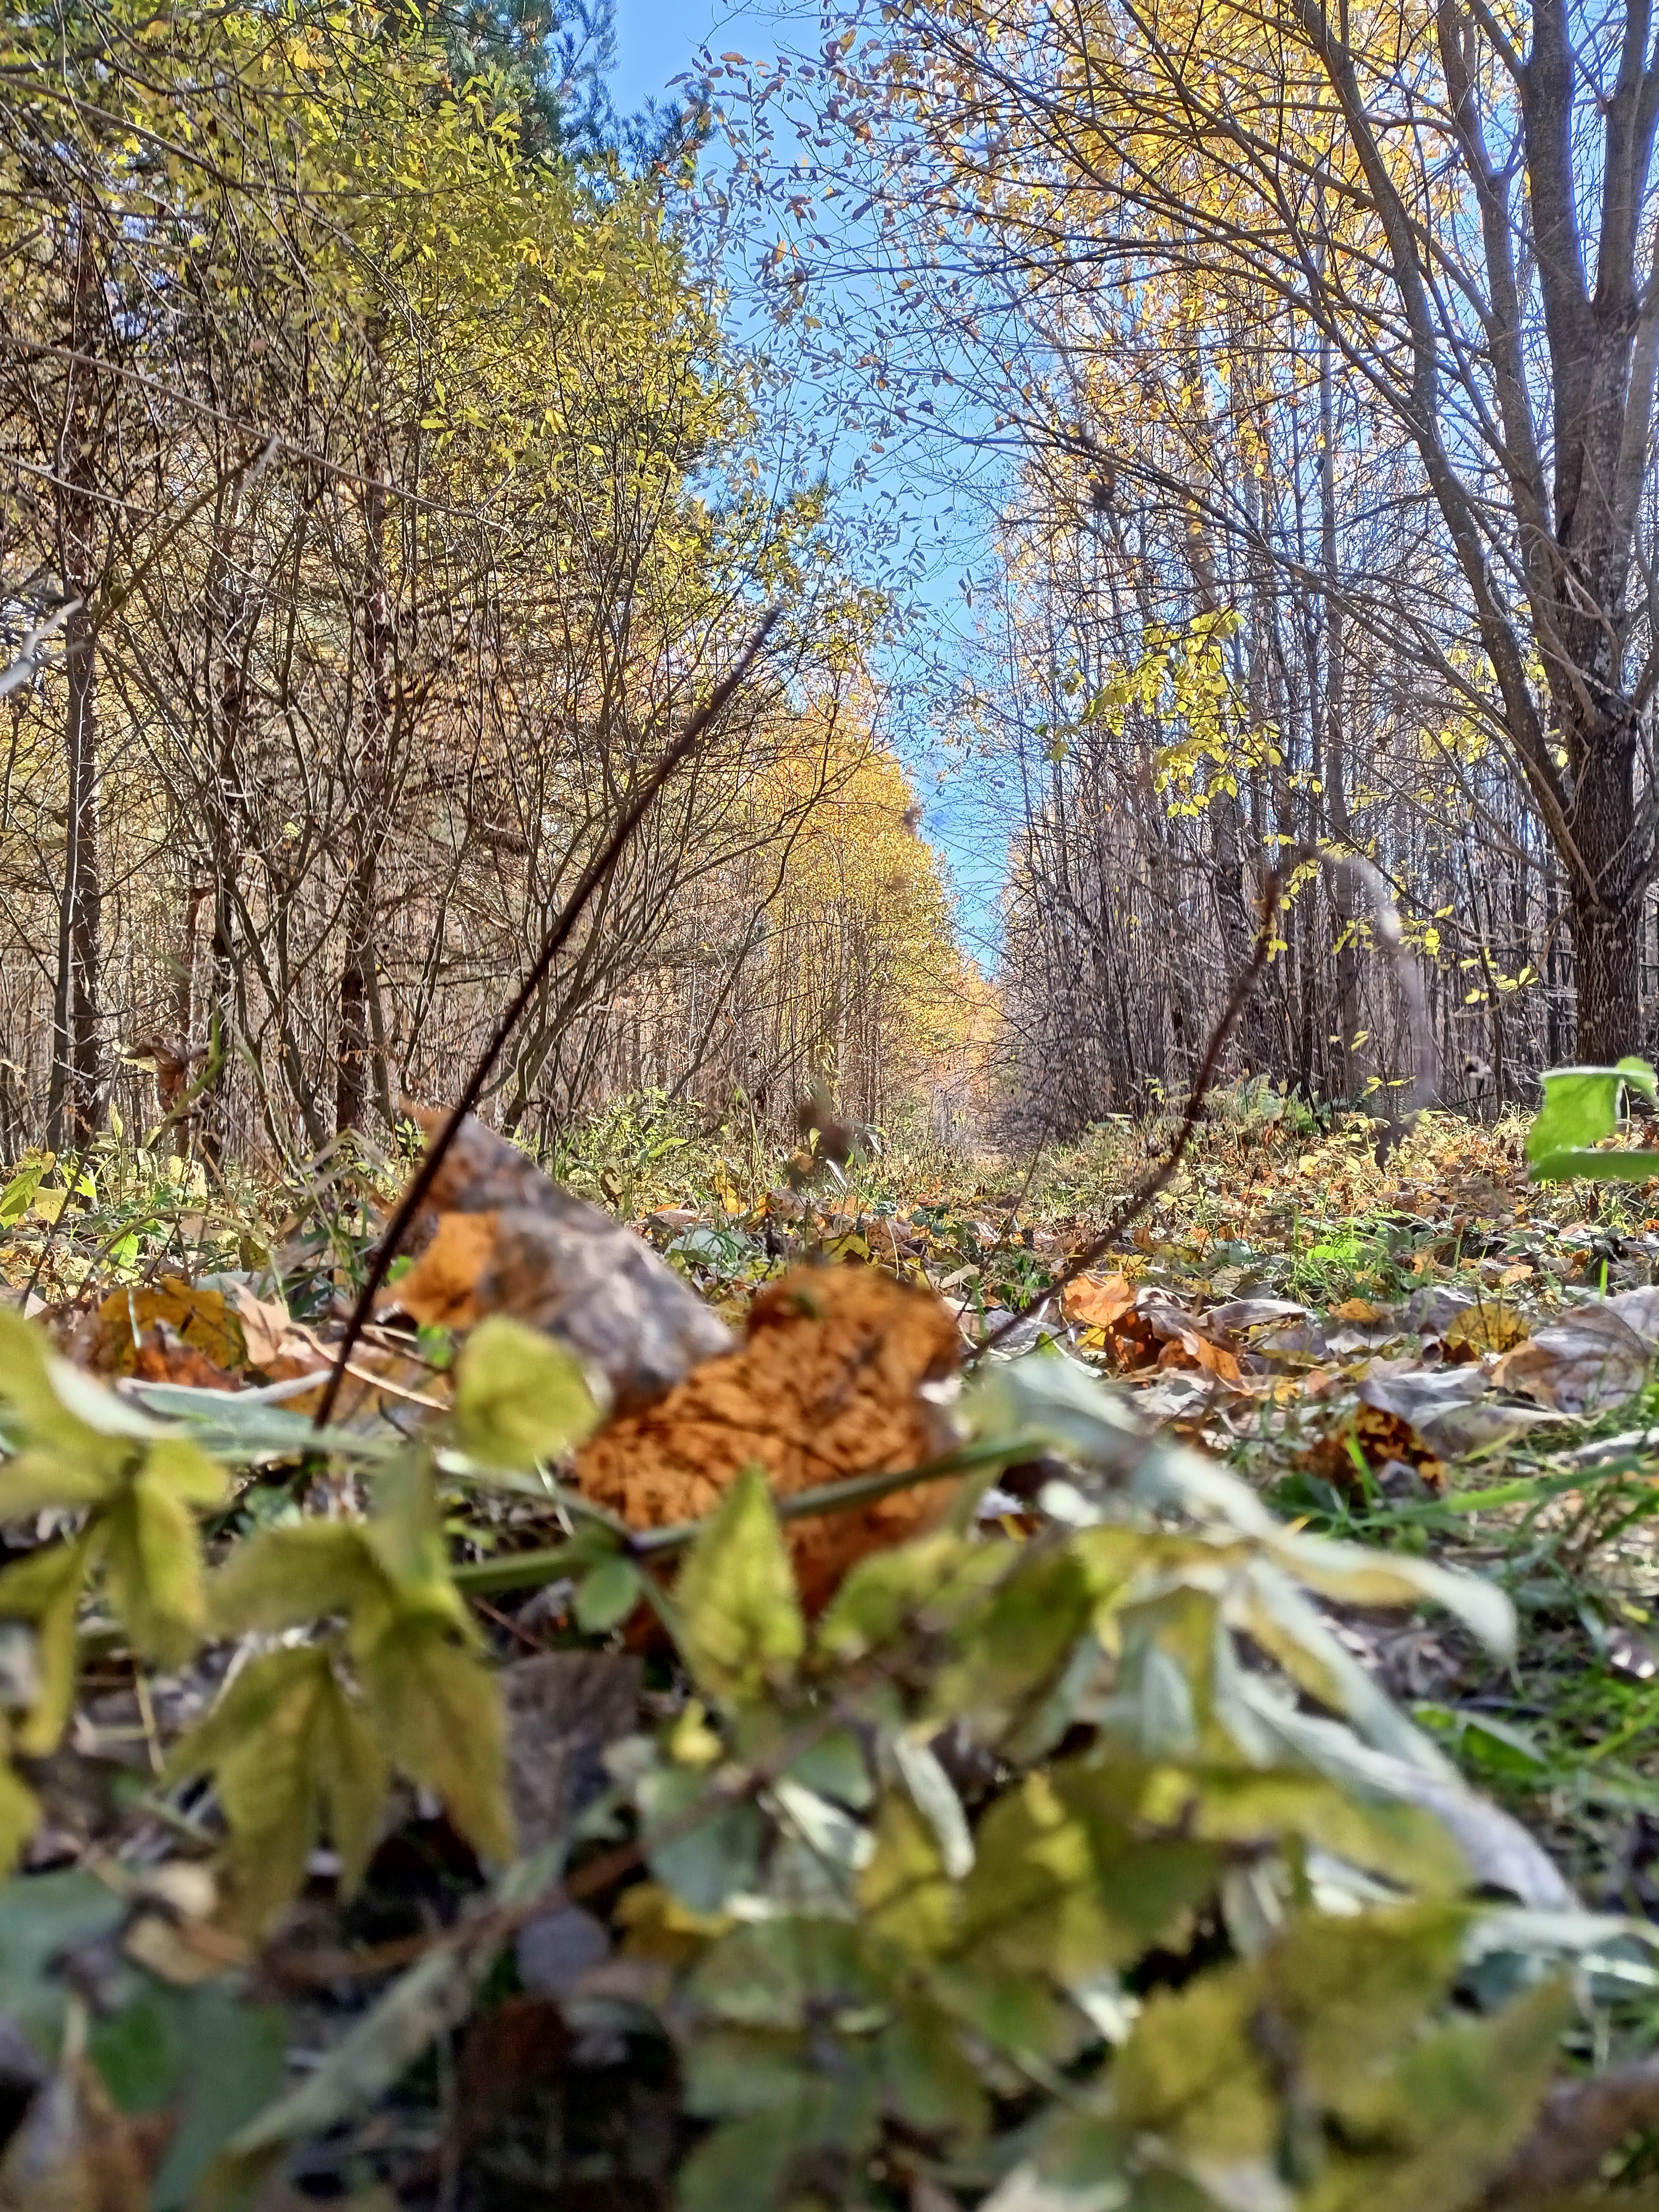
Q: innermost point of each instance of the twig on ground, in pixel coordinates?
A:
(597, 869)
(1142, 1196)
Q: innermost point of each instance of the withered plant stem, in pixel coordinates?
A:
(553, 944)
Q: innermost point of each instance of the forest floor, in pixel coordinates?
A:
(1397, 1353)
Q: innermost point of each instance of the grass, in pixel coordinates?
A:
(1271, 1199)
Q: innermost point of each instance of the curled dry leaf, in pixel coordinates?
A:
(510, 1240)
(1594, 1357)
(829, 1384)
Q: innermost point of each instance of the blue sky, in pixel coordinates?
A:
(656, 40)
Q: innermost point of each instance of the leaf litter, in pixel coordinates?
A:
(1428, 1360)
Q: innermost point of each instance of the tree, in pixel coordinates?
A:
(1460, 206)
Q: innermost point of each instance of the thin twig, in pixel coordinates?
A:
(1142, 1196)
(553, 944)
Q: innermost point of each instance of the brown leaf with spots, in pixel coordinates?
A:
(1380, 1436)
(828, 1385)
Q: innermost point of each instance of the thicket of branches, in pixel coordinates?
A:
(377, 493)
(1320, 353)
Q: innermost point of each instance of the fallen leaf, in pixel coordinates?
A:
(270, 1334)
(827, 1385)
(74, 2152)
(1360, 1309)
(199, 1318)
(1590, 1360)
(1379, 1437)
(1482, 1329)
(442, 1289)
(1097, 1301)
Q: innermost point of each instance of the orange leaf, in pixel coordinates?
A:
(1098, 1300)
(442, 1287)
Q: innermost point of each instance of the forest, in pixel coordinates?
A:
(829, 1001)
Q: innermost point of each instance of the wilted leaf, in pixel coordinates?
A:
(200, 1319)
(563, 1266)
(1589, 1361)
(740, 1622)
(520, 1397)
(74, 2152)
(442, 1289)
(1097, 1301)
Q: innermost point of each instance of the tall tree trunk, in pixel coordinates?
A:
(74, 1104)
(358, 1061)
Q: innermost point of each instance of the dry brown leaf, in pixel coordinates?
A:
(1361, 1310)
(828, 1385)
(269, 1331)
(1589, 1361)
(162, 1358)
(510, 1240)
(1380, 1437)
(74, 2152)
(1097, 1301)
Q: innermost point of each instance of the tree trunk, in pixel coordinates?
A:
(1606, 892)
(77, 1059)
(358, 1063)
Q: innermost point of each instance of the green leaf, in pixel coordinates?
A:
(885, 1589)
(1582, 1106)
(293, 1759)
(706, 1849)
(1430, 2135)
(212, 2057)
(44, 1586)
(1061, 1886)
(406, 1535)
(438, 1712)
(740, 1618)
(283, 1577)
(606, 1594)
(43, 1917)
(521, 1399)
(153, 1569)
(746, 2165)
